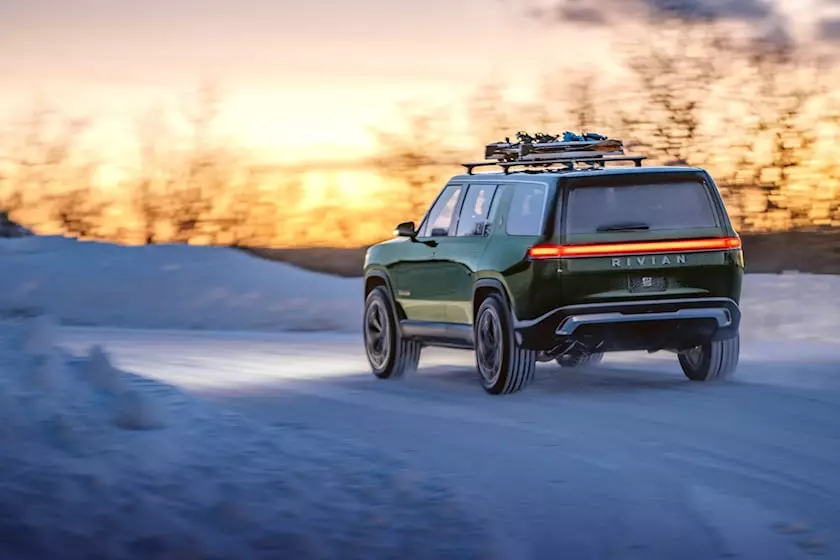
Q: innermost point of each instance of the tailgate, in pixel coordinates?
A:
(646, 236)
(651, 275)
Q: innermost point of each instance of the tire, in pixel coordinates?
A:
(712, 361)
(390, 355)
(503, 367)
(581, 360)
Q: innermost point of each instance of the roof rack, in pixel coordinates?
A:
(543, 150)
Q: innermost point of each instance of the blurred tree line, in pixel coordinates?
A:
(763, 116)
(192, 185)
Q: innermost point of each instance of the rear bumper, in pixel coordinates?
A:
(634, 325)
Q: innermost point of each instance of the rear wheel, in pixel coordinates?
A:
(503, 366)
(389, 354)
(711, 361)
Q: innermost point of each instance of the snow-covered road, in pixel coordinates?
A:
(627, 460)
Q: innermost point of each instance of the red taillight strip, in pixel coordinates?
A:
(605, 249)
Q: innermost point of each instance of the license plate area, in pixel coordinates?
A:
(645, 284)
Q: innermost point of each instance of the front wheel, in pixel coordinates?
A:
(711, 361)
(503, 366)
(389, 354)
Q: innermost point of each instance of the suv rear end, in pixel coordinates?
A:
(642, 259)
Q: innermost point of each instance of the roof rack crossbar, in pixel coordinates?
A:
(473, 165)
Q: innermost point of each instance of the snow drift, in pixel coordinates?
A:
(184, 287)
(169, 286)
(97, 462)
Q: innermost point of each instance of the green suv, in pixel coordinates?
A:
(579, 252)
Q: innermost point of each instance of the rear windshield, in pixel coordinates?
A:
(648, 207)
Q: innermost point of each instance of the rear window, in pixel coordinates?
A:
(650, 207)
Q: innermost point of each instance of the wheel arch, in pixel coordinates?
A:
(377, 277)
(486, 286)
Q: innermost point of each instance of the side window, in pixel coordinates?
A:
(527, 209)
(497, 200)
(440, 216)
(475, 210)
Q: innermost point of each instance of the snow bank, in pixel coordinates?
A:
(791, 306)
(100, 463)
(182, 287)
(8, 228)
(169, 286)
(41, 244)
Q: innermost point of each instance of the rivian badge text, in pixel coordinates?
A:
(647, 260)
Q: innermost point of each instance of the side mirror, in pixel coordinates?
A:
(406, 229)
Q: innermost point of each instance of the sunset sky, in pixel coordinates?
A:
(309, 74)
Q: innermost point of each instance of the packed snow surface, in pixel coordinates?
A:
(184, 287)
(97, 461)
(627, 460)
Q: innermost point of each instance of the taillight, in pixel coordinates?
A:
(545, 251)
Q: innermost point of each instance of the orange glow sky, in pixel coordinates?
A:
(310, 75)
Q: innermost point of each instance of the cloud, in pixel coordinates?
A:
(769, 27)
(773, 35)
(743, 10)
(583, 11)
(579, 12)
(829, 29)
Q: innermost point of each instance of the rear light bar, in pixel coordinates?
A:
(605, 249)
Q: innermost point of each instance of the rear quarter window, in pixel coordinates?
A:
(526, 213)
(658, 206)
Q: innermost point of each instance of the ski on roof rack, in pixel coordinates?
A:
(543, 150)
(532, 147)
